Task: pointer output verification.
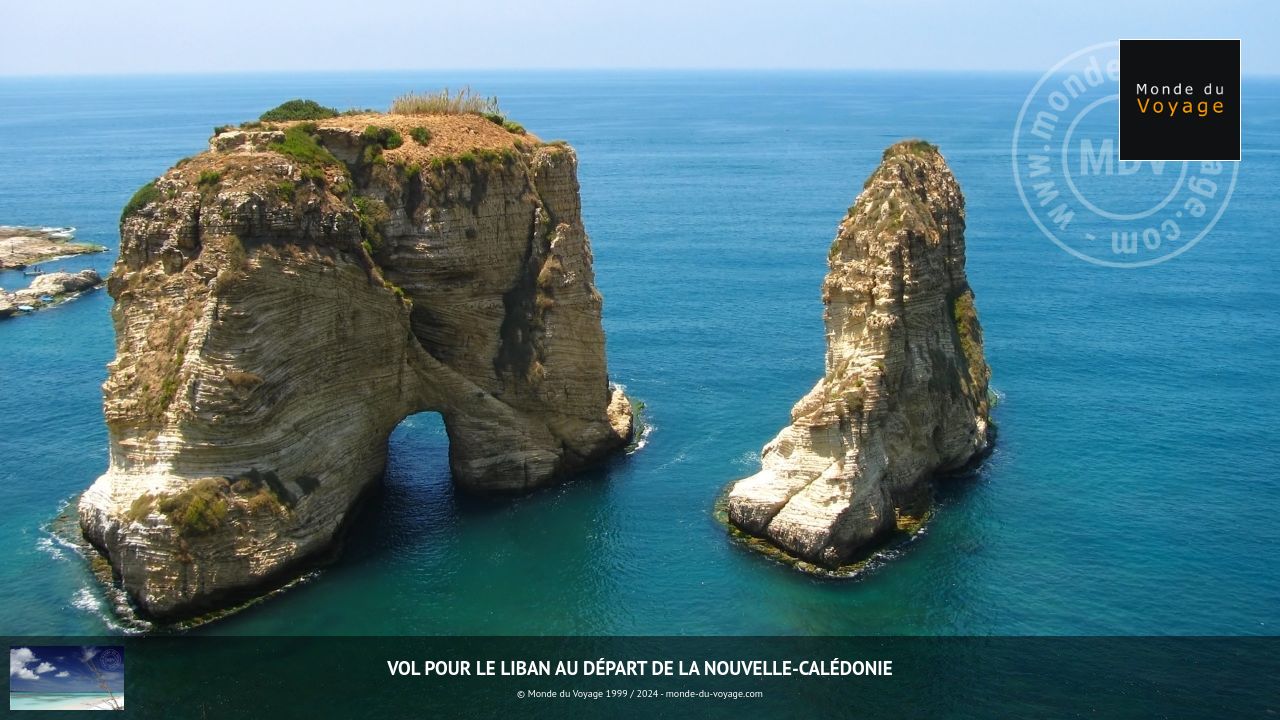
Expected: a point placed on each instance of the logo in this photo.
(1072, 182)
(1180, 99)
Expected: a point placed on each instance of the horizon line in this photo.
(537, 70)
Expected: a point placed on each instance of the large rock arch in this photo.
(279, 312)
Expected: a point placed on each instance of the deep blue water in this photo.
(1133, 490)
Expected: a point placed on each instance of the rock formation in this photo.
(904, 395)
(48, 289)
(23, 246)
(284, 300)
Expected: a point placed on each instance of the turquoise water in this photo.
(1132, 492)
(63, 701)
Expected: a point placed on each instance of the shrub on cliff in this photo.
(197, 510)
(298, 110)
(444, 103)
(386, 137)
(144, 196)
(209, 178)
(372, 214)
(301, 145)
(509, 125)
(420, 135)
(967, 329)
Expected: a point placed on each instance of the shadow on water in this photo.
(456, 556)
(417, 498)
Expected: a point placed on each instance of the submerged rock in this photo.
(904, 396)
(284, 300)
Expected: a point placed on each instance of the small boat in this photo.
(26, 308)
(33, 270)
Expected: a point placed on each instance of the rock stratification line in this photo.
(284, 300)
(904, 396)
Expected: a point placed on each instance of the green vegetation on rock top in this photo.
(298, 110)
(300, 144)
(388, 138)
(915, 147)
(508, 125)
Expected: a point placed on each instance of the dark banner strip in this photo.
(623, 677)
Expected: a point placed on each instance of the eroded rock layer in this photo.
(284, 300)
(904, 395)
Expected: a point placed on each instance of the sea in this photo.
(65, 701)
(1133, 486)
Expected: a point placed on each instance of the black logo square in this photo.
(1180, 99)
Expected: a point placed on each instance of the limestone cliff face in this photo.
(284, 300)
(904, 395)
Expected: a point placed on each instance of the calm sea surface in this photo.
(1133, 491)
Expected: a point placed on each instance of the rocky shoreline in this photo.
(46, 290)
(21, 247)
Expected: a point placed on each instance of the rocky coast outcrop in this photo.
(904, 396)
(47, 289)
(285, 299)
(23, 246)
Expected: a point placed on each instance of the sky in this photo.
(73, 37)
(63, 668)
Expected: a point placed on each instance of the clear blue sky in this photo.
(174, 36)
